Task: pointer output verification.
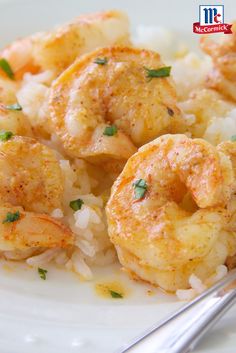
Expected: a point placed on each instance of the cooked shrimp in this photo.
(15, 121)
(32, 230)
(223, 54)
(30, 175)
(8, 90)
(175, 227)
(229, 149)
(87, 97)
(231, 262)
(20, 57)
(57, 49)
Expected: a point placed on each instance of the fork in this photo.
(182, 330)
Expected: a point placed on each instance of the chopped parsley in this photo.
(162, 72)
(101, 61)
(76, 204)
(140, 188)
(15, 106)
(5, 66)
(115, 295)
(5, 135)
(11, 217)
(42, 273)
(110, 130)
(233, 138)
(170, 111)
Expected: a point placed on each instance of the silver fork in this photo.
(182, 330)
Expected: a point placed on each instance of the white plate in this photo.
(62, 314)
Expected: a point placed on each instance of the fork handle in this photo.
(182, 333)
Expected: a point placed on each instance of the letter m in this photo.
(209, 14)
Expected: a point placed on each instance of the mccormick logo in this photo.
(211, 20)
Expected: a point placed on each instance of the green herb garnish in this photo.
(140, 188)
(233, 138)
(42, 273)
(5, 66)
(110, 130)
(76, 204)
(101, 61)
(11, 217)
(15, 106)
(115, 295)
(5, 135)
(162, 72)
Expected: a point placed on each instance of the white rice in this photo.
(161, 40)
(189, 73)
(221, 272)
(79, 265)
(88, 223)
(196, 284)
(186, 294)
(198, 287)
(221, 129)
(61, 258)
(33, 97)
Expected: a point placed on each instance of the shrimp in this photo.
(32, 230)
(229, 149)
(176, 227)
(31, 184)
(223, 55)
(19, 55)
(30, 175)
(15, 121)
(87, 97)
(57, 49)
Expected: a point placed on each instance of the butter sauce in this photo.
(111, 290)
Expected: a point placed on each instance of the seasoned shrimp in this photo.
(89, 96)
(14, 121)
(57, 49)
(229, 148)
(20, 57)
(167, 211)
(223, 55)
(32, 230)
(10, 120)
(30, 175)
(8, 90)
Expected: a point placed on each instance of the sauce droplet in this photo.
(111, 290)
